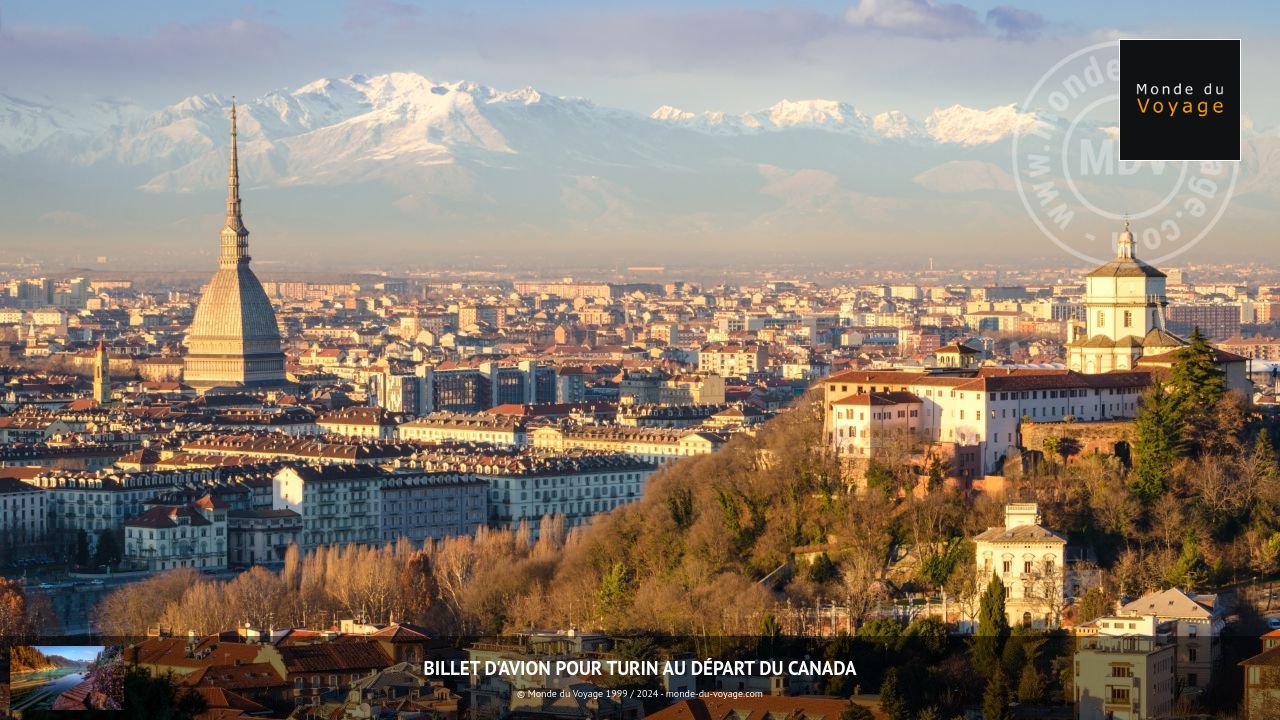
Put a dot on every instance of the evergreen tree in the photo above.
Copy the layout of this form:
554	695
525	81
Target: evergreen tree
822	569
107	553
893	701
1196	377
854	711
993	626
995	700
1030	688
1198	384
82	548
1190	571
1159	427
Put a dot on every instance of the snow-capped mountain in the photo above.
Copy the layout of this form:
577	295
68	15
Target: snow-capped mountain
464	158
359	128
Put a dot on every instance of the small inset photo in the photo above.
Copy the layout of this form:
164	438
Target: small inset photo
65	677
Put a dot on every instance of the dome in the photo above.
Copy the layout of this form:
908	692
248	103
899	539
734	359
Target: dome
234	311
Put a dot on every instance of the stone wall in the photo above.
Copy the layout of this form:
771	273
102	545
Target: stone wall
1111	437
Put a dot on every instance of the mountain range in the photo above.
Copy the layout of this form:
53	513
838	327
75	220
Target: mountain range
415	166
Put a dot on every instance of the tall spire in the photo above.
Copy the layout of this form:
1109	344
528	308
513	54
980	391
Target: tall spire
235	236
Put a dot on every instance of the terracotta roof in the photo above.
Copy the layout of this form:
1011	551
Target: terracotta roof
1269	657
166	517
246	676
880	398
326	657
209	652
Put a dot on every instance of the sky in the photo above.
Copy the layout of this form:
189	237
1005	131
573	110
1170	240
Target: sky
86	653
909	55
914	56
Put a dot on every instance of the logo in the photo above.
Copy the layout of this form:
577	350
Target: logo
1071	180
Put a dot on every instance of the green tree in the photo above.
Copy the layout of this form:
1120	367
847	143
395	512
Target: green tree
1095	603
854	711
1159	427
1190	571
822	569
82	548
928	634
1030	688
995	699
993	626
1198	384
937	472
1051	446
1195	375
615	588
108	552
893	701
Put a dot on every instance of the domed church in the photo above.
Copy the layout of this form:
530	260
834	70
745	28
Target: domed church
1124	315
234	341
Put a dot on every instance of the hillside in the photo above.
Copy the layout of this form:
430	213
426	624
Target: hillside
24	658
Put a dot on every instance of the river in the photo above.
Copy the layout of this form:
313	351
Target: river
38	690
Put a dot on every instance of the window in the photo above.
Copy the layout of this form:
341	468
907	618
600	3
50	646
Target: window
1026	567
1128	318
1122	671
1119	694
1102	317
1008	565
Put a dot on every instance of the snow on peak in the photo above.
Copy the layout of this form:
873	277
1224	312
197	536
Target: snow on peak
668	113
814	113
895	125
970	126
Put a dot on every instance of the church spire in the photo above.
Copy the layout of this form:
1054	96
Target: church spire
1124	246
235	236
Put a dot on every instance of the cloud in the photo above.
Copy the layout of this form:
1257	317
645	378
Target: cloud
917	18
365	14
1013	23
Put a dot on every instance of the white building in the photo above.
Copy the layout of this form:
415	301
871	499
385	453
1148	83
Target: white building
1028	559
1125	671
423	506
578	486
374	423
339	504
732	359
507	430
261	536
653	445
190	535
1197	622
976	413
23	516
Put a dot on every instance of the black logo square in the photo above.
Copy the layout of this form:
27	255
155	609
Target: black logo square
1179	99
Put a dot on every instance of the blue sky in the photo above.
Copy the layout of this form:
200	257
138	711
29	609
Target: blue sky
911	55
74	652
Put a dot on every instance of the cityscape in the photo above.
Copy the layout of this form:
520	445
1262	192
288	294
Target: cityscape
496	476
